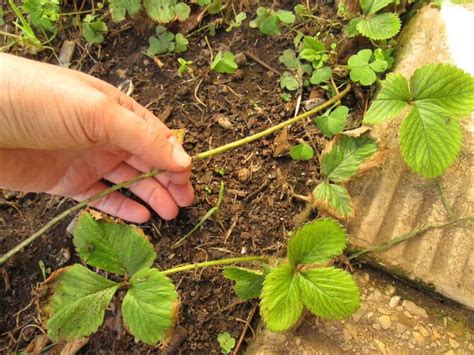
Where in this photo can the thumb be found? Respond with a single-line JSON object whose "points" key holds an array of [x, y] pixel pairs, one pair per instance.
{"points": [[147, 138]]}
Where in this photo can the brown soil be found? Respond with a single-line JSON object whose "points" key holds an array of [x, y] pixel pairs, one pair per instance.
{"points": [[257, 211]]}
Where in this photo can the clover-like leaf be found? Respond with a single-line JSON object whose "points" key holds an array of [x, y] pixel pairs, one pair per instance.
{"points": [[77, 307], [302, 151], [378, 27], [333, 199], [248, 283], [111, 246], [93, 30], [181, 43], [316, 242], [363, 67], [332, 122], [224, 63], [150, 305], [120, 8], [281, 305], [347, 154], [239, 18], [163, 43], [162, 11], [285, 16], [268, 21], [329, 293], [390, 101], [289, 81], [320, 75], [182, 11], [226, 342]]}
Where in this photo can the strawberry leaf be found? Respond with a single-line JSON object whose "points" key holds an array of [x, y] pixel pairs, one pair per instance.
{"points": [[248, 283]]}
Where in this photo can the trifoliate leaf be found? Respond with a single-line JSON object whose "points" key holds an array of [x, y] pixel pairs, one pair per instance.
{"points": [[316, 242], [163, 43], [93, 30], [248, 283], [281, 305], [289, 81], [370, 7], [120, 8], [181, 43], [444, 86], [284, 16], [390, 101], [150, 305], [430, 140], [224, 63], [182, 11], [329, 293], [333, 122], [226, 342], [320, 75], [111, 246], [363, 67], [78, 304], [346, 156], [378, 27], [301, 151], [289, 60], [333, 199]]}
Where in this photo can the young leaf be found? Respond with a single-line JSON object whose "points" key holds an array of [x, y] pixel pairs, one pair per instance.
{"points": [[224, 63], [320, 75], [333, 122], [316, 242], [301, 151], [163, 43], [286, 16], [390, 101], [281, 305], [429, 140], [149, 306], [93, 30], [378, 27], [164, 11], [289, 81], [345, 157], [268, 21], [113, 247], [239, 18], [181, 43], [248, 283], [329, 293], [182, 11], [333, 199], [78, 304], [120, 8], [43, 14], [363, 67], [314, 51], [289, 60], [370, 7], [226, 342]]}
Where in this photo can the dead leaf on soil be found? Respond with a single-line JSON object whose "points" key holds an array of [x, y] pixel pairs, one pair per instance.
{"points": [[280, 144], [37, 344], [193, 20], [70, 348], [357, 132]]}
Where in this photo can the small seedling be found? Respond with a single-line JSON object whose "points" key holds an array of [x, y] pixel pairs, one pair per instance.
{"points": [[42, 14], [438, 96], [320, 75], [339, 165], [166, 11], [285, 96], [269, 22], [226, 342], [332, 121], [184, 66], [166, 42], [42, 267], [289, 81], [364, 67], [372, 25], [239, 18], [224, 63], [302, 151], [314, 51], [93, 29], [119, 9]]}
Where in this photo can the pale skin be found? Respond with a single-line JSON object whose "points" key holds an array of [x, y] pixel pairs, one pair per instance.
{"points": [[62, 132]]}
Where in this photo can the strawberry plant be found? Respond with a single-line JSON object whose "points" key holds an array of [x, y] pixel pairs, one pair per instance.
{"points": [[226, 342], [237, 22], [93, 29], [332, 121], [77, 297], [374, 25], [166, 42], [269, 21], [302, 151], [224, 63], [313, 51], [437, 97], [42, 14], [184, 66]]}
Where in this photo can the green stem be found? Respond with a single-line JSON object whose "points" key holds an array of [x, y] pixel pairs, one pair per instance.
{"points": [[73, 209], [448, 209], [409, 235], [155, 172], [214, 263], [273, 129]]}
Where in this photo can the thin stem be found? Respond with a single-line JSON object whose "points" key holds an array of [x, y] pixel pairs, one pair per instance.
{"points": [[73, 209], [155, 172], [448, 209], [409, 235], [220, 262], [273, 129]]}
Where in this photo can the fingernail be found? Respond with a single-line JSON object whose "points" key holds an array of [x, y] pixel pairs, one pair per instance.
{"points": [[180, 157]]}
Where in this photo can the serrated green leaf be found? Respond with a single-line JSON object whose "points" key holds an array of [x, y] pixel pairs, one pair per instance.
{"points": [[429, 140], [224, 63], [378, 27], [289, 60], [351, 28], [329, 293], [285, 16], [289, 81], [148, 308], [120, 8], [316, 242], [162, 11], [78, 304], [182, 11], [333, 199], [301, 151], [370, 7], [320, 75], [390, 101], [111, 246], [281, 305], [333, 122], [346, 156], [248, 283], [444, 86]]}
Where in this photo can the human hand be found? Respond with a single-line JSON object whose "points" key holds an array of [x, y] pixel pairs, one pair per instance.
{"points": [[62, 131]]}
